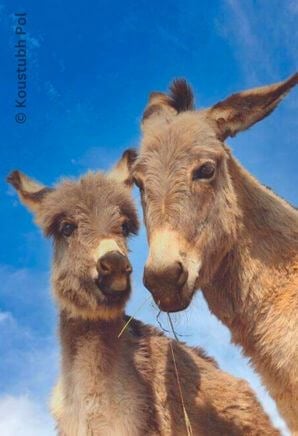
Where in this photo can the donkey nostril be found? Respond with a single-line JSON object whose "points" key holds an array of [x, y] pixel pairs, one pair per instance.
{"points": [[174, 277], [128, 268], [113, 263], [176, 272], [125, 266], [104, 266], [182, 274]]}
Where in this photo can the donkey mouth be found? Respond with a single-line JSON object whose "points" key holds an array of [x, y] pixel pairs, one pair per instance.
{"points": [[173, 303], [112, 296], [176, 306]]}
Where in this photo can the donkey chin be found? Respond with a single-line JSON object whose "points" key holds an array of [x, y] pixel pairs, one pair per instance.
{"points": [[173, 284], [95, 298], [175, 303], [173, 296]]}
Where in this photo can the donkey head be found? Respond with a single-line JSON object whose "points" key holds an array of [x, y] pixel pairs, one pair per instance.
{"points": [[187, 189], [89, 221]]}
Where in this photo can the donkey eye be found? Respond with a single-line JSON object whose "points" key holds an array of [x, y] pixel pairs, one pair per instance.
{"points": [[125, 229], [205, 171], [67, 229]]}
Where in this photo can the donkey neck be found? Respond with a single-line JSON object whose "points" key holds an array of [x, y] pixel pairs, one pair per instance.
{"points": [[264, 250], [101, 389], [96, 336], [267, 220]]}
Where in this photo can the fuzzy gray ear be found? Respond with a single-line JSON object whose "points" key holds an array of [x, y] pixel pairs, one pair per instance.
{"points": [[165, 106], [31, 193], [121, 172], [240, 111]]}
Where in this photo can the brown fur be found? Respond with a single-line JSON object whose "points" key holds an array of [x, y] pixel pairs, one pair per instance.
{"points": [[127, 385], [235, 239]]}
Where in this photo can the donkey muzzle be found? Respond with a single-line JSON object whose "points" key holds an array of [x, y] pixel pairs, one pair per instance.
{"points": [[114, 271], [166, 286]]}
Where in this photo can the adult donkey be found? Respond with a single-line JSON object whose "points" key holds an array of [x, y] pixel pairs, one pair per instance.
{"points": [[211, 225]]}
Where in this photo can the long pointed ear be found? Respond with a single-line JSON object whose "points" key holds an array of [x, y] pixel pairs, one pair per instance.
{"points": [[31, 193], [121, 172], [242, 110], [166, 106]]}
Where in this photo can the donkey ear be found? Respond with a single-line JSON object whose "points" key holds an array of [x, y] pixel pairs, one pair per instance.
{"points": [[30, 192], [242, 110], [159, 107], [166, 106], [122, 170]]}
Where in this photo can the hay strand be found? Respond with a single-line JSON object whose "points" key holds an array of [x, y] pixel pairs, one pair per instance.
{"points": [[132, 316], [185, 414]]}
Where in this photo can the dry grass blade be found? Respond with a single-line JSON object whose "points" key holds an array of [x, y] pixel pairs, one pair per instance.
{"points": [[160, 324], [132, 316], [185, 414]]}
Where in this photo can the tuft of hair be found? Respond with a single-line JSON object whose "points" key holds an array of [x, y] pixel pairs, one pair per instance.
{"points": [[181, 95]]}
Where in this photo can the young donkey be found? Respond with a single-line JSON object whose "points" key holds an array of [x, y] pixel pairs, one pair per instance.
{"points": [[127, 385], [212, 226]]}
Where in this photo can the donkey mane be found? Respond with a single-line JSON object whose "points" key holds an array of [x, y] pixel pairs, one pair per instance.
{"points": [[179, 99], [182, 96]]}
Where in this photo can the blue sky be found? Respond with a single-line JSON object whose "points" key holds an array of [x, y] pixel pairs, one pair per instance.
{"points": [[91, 66]]}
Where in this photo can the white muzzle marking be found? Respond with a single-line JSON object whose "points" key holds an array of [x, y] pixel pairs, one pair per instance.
{"points": [[164, 248], [167, 247], [105, 246]]}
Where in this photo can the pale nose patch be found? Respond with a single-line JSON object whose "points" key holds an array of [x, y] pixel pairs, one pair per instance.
{"points": [[168, 247], [165, 248], [105, 246], [193, 266]]}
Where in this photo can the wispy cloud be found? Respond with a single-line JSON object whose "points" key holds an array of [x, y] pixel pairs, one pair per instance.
{"points": [[24, 408], [29, 360], [21, 415], [27, 370], [173, 38], [28, 346], [263, 36], [5, 316]]}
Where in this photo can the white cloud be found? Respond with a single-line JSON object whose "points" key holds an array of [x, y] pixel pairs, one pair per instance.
{"points": [[262, 37], [51, 91], [292, 6], [5, 316], [27, 369], [28, 347], [21, 416]]}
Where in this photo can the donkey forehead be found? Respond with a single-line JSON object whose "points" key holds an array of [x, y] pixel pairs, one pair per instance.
{"points": [[186, 137], [90, 196]]}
